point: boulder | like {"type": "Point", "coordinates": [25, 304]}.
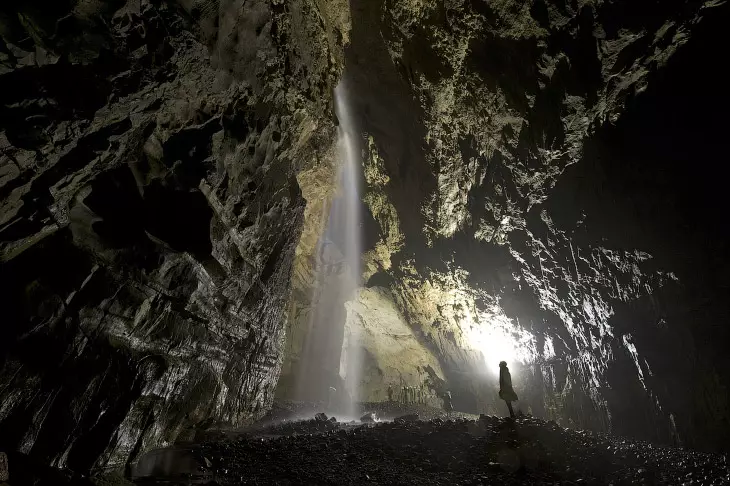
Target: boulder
{"type": "Point", "coordinates": [369, 417]}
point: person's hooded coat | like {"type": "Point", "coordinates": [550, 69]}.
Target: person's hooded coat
{"type": "Point", "coordinates": [505, 384]}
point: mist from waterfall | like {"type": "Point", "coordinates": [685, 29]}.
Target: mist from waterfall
{"type": "Point", "coordinates": [338, 271]}
{"type": "Point", "coordinates": [345, 222]}
{"type": "Point", "coordinates": [350, 225]}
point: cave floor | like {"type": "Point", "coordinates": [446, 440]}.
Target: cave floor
{"type": "Point", "coordinates": [450, 449]}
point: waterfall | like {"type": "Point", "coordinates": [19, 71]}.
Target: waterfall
{"type": "Point", "coordinates": [338, 271]}
{"type": "Point", "coordinates": [352, 228]}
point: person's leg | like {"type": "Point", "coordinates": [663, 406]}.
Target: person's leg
{"type": "Point", "coordinates": [511, 412]}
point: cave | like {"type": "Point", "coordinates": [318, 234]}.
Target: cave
{"type": "Point", "coordinates": [363, 242]}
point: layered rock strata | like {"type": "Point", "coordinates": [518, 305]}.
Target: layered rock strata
{"type": "Point", "coordinates": [150, 211]}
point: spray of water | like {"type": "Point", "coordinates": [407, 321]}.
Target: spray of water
{"type": "Point", "coordinates": [337, 276]}
{"type": "Point", "coordinates": [350, 205]}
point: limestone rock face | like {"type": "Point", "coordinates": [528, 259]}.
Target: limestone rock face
{"type": "Point", "coordinates": [485, 131]}
{"type": "Point", "coordinates": [388, 355]}
{"type": "Point", "coordinates": [150, 211]}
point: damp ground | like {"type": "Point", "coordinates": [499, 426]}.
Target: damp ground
{"type": "Point", "coordinates": [412, 445]}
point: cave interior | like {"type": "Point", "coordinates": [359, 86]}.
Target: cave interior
{"type": "Point", "coordinates": [536, 182]}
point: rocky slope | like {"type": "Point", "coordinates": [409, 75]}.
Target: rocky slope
{"type": "Point", "coordinates": [443, 451]}
{"type": "Point", "coordinates": [150, 211]}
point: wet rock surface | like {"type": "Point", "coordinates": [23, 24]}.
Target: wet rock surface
{"type": "Point", "coordinates": [165, 167]}
{"type": "Point", "coordinates": [149, 214]}
{"type": "Point", "coordinates": [523, 203]}
{"type": "Point", "coordinates": [448, 451]}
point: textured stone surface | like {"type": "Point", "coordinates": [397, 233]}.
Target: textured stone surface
{"type": "Point", "coordinates": [158, 160]}
{"type": "Point", "coordinates": [486, 129]}
{"type": "Point", "coordinates": [386, 351]}
{"type": "Point", "coordinates": [451, 450]}
{"type": "Point", "coordinates": [149, 213]}
{"type": "Point", "coordinates": [318, 186]}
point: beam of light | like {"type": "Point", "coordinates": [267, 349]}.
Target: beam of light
{"type": "Point", "coordinates": [498, 339]}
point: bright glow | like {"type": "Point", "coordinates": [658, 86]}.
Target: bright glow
{"type": "Point", "coordinates": [498, 339]}
{"type": "Point", "coordinates": [548, 350]}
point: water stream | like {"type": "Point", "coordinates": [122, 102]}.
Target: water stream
{"type": "Point", "coordinates": [351, 227]}
{"type": "Point", "coordinates": [338, 271]}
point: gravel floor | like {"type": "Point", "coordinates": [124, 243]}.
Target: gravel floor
{"type": "Point", "coordinates": [445, 450]}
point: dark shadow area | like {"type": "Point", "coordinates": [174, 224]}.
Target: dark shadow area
{"type": "Point", "coordinates": [655, 182]}
{"type": "Point", "coordinates": [382, 105]}
{"type": "Point", "coordinates": [177, 216]}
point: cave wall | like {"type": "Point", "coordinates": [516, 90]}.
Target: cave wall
{"type": "Point", "coordinates": [382, 355]}
{"type": "Point", "coordinates": [165, 175]}
{"type": "Point", "coordinates": [150, 211]}
{"type": "Point", "coordinates": [652, 184]}
{"type": "Point", "coordinates": [475, 115]}
{"type": "Point", "coordinates": [318, 187]}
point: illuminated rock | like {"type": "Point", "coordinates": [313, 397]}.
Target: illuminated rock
{"type": "Point", "coordinates": [380, 342]}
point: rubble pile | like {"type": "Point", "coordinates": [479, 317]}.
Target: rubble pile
{"type": "Point", "coordinates": [490, 450]}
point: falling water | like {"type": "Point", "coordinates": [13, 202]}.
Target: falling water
{"type": "Point", "coordinates": [349, 204]}
{"type": "Point", "coordinates": [348, 200]}
{"type": "Point", "coordinates": [337, 274]}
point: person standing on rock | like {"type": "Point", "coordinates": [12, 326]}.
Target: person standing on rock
{"type": "Point", "coordinates": [506, 392]}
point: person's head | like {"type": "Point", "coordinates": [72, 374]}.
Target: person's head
{"type": "Point", "coordinates": [502, 364]}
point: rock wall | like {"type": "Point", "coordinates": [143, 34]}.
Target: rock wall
{"type": "Point", "coordinates": [150, 211]}
{"type": "Point", "coordinates": [381, 349]}
{"type": "Point", "coordinates": [318, 186]}
{"type": "Point", "coordinates": [486, 127]}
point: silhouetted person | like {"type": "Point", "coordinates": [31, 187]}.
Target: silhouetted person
{"type": "Point", "coordinates": [506, 392]}
{"type": "Point", "coordinates": [390, 393]}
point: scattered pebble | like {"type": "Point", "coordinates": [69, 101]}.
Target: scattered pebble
{"type": "Point", "coordinates": [450, 451]}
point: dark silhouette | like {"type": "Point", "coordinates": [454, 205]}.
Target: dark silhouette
{"type": "Point", "coordinates": [506, 392]}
